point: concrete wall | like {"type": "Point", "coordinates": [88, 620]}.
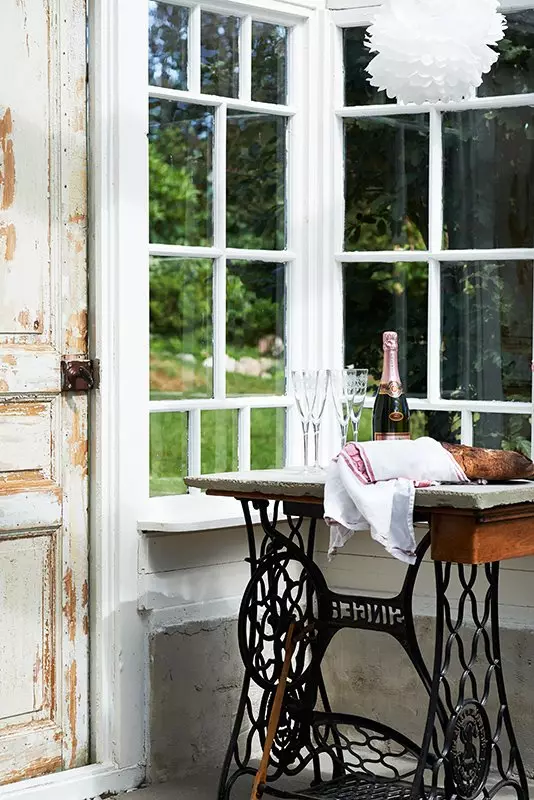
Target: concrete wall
{"type": "Point", "coordinates": [195, 676]}
{"type": "Point", "coordinates": [195, 667]}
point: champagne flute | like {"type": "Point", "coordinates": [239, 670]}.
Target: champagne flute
{"type": "Point", "coordinates": [357, 378]}
{"type": "Point", "coordinates": [301, 389]}
{"type": "Point", "coordinates": [343, 396]}
{"type": "Point", "coordinates": [317, 400]}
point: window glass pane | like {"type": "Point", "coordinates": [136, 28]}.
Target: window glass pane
{"type": "Point", "coordinates": [267, 437]}
{"type": "Point", "coordinates": [488, 176]}
{"type": "Point", "coordinates": [365, 430]}
{"type": "Point", "coordinates": [255, 328]}
{"type": "Point", "coordinates": [255, 181]}
{"type": "Point", "coordinates": [167, 45]}
{"type": "Point", "coordinates": [181, 328]}
{"type": "Point", "coordinates": [356, 57]}
{"type": "Point", "coordinates": [269, 62]}
{"type": "Point", "coordinates": [441, 425]}
{"type": "Point", "coordinates": [180, 170]}
{"type": "Point", "coordinates": [381, 297]}
{"type": "Point", "coordinates": [486, 330]}
{"type": "Point", "coordinates": [386, 183]}
{"type": "Point", "coordinates": [219, 441]}
{"type": "Point", "coordinates": [168, 453]}
{"type": "Point", "coordinates": [513, 73]}
{"type": "Point", "coordinates": [502, 432]}
{"type": "Point", "coordinates": [219, 67]}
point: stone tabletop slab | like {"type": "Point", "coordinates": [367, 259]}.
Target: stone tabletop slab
{"type": "Point", "coordinates": [295, 482]}
{"type": "Point", "coordinates": [291, 482]}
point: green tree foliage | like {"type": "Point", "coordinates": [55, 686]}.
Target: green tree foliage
{"type": "Point", "coordinates": [489, 172]}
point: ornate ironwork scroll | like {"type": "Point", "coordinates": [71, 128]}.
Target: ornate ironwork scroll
{"type": "Point", "coordinates": [468, 749]}
{"type": "Point", "coordinates": [476, 753]}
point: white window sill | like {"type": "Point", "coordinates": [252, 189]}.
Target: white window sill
{"type": "Point", "coordinates": [191, 513]}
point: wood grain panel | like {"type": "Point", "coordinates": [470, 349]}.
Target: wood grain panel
{"type": "Point", "coordinates": [27, 591]}
{"type": "Point", "coordinates": [24, 172]}
{"type": "Point", "coordinates": [25, 433]}
{"type": "Point", "coordinates": [32, 369]}
{"type": "Point", "coordinates": [22, 509]}
{"type": "Point", "coordinates": [480, 537]}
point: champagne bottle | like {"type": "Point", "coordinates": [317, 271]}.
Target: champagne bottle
{"type": "Point", "coordinates": [391, 415]}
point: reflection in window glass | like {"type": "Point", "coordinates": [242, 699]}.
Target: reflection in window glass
{"type": "Point", "coordinates": [168, 453]}
{"type": "Point", "coordinates": [269, 59]}
{"type": "Point", "coordinates": [356, 57]}
{"type": "Point", "coordinates": [181, 328]}
{"type": "Point", "coordinates": [386, 183]}
{"type": "Point", "coordinates": [443, 426]}
{"type": "Point", "coordinates": [219, 66]}
{"type": "Point", "coordinates": [255, 180]}
{"type": "Point", "coordinates": [381, 297]}
{"type": "Point", "coordinates": [487, 330]}
{"type": "Point", "coordinates": [488, 178]}
{"type": "Point", "coordinates": [267, 438]}
{"type": "Point", "coordinates": [180, 172]}
{"type": "Point", "coordinates": [167, 45]}
{"type": "Point", "coordinates": [502, 432]}
{"type": "Point", "coordinates": [255, 328]}
{"type": "Point", "coordinates": [513, 73]}
{"type": "Point", "coordinates": [219, 441]}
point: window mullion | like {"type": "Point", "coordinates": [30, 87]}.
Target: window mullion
{"type": "Point", "coordinates": [435, 234]}
{"type": "Point", "coordinates": [219, 236]}
{"type": "Point", "coordinates": [532, 389]}
{"type": "Point", "coordinates": [245, 58]}
{"type": "Point", "coordinates": [467, 427]}
{"type": "Point", "coordinates": [243, 438]}
{"type": "Point", "coordinates": [194, 463]}
{"type": "Point", "coordinates": [194, 50]}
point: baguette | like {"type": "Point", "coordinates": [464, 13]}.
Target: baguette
{"type": "Point", "coordinates": [491, 465]}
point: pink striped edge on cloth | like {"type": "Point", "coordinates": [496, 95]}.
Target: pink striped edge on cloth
{"type": "Point", "coordinates": [370, 486]}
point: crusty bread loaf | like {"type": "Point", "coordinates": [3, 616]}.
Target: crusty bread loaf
{"type": "Point", "coordinates": [491, 465]}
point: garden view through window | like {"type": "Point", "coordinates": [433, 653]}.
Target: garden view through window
{"type": "Point", "coordinates": [437, 238]}
{"type": "Point", "coordinates": [218, 156]}
{"type": "Point", "coordinates": [402, 226]}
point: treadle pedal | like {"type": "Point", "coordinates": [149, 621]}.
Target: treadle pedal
{"type": "Point", "coordinates": [357, 787]}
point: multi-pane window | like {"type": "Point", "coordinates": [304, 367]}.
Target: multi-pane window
{"type": "Point", "coordinates": [436, 241]}
{"type": "Point", "coordinates": [219, 124]}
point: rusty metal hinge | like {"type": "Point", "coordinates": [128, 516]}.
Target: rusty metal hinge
{"type": "Point", "coordinates": [79, 376]}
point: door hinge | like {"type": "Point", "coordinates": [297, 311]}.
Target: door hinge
{"type": "Point", "coordinates": [79, 376]}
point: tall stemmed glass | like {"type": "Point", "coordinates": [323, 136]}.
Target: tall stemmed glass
{"type": "Point", "coordinates": [301, 381]}
{"type": "Point", "coordinates": [309, 387]}
{"type": "Point", "coordinates": [318, 386]}
{"type": "Point", "coordinates": [343, 397]}
{"type": "Point", "coordinates": [357, 379]}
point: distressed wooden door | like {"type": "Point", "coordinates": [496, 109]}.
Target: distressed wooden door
{"type": "Point", "coordinates": [43, 433]}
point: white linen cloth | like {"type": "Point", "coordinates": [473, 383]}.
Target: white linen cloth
{"type": "Point", "coordinates": [371, 486]}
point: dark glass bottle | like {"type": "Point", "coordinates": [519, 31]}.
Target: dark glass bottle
{"type": "Point", "coordinates": [391, 415]}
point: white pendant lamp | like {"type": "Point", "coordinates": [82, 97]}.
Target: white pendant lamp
{"type": "Point", "coordinates": [433, 50]}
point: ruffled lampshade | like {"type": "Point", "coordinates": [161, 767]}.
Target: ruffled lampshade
{"type": "Point", "coordinates": [433, 50]}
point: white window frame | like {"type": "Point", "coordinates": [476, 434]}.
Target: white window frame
{"type": "Point", "coordinates": [360, 15]}
{"type": "Point", "coordinates": [301, 195]}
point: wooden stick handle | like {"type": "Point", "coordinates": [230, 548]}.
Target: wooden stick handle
{"type": "Point", "coordinates": [274, 717]}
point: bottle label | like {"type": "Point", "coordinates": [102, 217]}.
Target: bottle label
{"type": "Point", "coordinates": [383, 437]}
{"type": "Point", "coordinates": [396, 416]}
{"type": "Point", "coordinates": [393, 389]}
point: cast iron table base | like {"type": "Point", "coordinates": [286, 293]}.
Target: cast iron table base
{"type": "Point", "coordinates": [468, 748]}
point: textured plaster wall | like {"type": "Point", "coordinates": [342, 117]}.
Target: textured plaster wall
{"type": "Point", "coordinates": [195, 680]}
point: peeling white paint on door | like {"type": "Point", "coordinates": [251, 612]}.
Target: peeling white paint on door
{"type": "Point", "coordinates": [25, 434]}
{"type": "Point", "coordinates": [43, 434]}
